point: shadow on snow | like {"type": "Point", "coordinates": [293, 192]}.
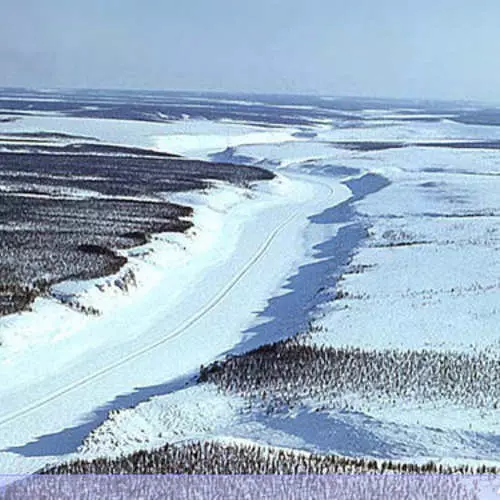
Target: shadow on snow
{"type": "Point", "coordinates": [285, 315]}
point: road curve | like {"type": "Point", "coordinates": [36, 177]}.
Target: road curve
{"type": "Point", "coordinates": [20, 424]}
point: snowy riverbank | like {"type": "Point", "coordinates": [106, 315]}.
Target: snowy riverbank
{"type": "Point", "coordinates": [381, 230]}
{"type": "Point", "coordinates": [191, 315]}
{"type": "Point", "coordinates": [423, 278]}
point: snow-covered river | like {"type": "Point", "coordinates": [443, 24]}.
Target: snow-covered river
{"type": "Point", "coordinates": [262, 262]}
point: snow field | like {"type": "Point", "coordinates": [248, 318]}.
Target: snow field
{"type": "Point", "coordinates": [424, 279]}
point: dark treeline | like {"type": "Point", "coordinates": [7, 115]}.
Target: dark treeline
{"type": "Point", "coordinates": [44, 241]}
{"type": "Point", "coordinates": [119, 175]}
{"type": "Point", "coordinates": [210, 457]}
{"type": "Point", "coordinates": [15, 297]}
{"type": "Point", "coordinates": [293, 369]}
{"type": "Point", "coordinates": [47, 234]}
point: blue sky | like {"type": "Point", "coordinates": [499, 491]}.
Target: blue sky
{"type": "Point", "coordinates": [394, 48]}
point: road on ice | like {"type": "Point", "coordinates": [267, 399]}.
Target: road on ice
{"type": "Point", "coordinates": [191, 316]}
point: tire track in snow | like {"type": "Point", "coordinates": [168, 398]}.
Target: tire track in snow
{"type": "Point", "coordinates": [172, 335]}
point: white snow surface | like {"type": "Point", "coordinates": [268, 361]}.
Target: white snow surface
{"type": "Point", "coordinates": [195, 138]}
{"type": "Point", "coordinates": [202, 412]}
{"type": "Point", "coordinates": [193, 304]}
{"type": "Point", "coordinates": [430, 280]}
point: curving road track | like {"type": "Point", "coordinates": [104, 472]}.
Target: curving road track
{"type": "Point", "coordinates": [133, 349]}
